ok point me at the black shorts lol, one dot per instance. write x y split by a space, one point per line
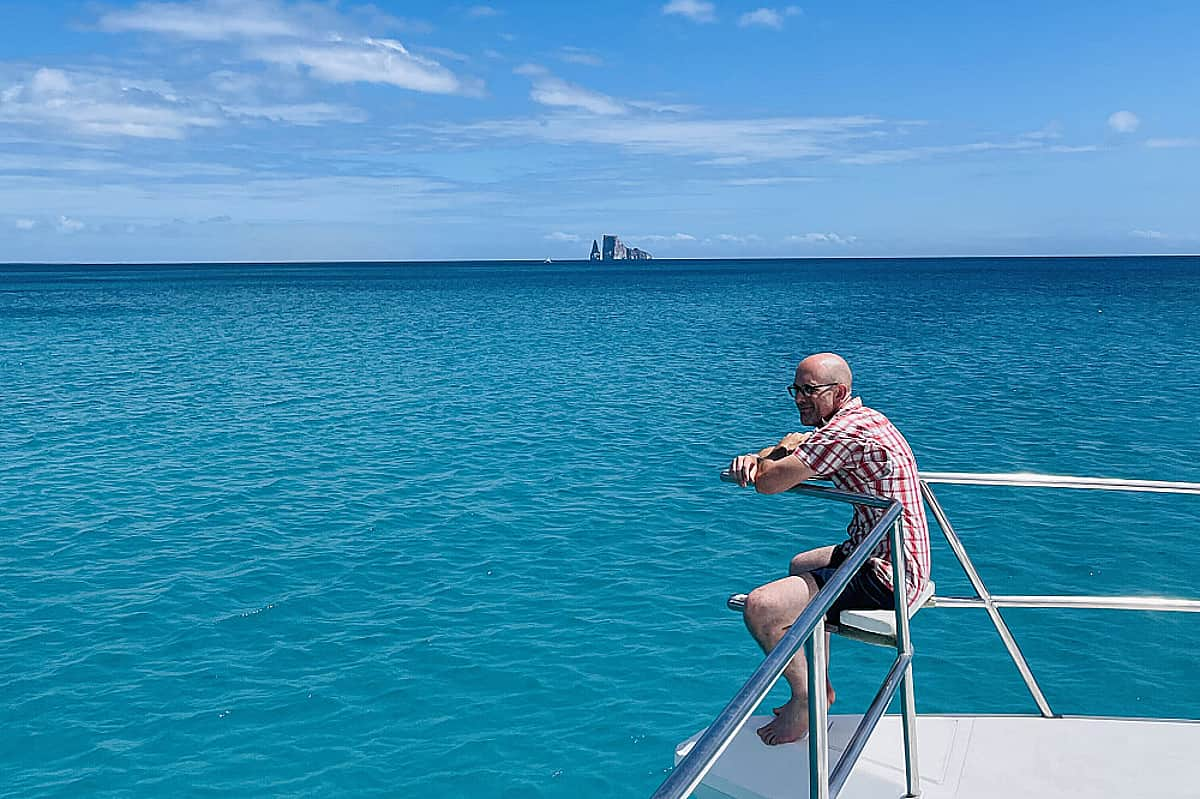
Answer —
865 591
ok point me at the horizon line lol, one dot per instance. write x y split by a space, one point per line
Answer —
588 260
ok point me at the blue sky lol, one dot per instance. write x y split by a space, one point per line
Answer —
273 130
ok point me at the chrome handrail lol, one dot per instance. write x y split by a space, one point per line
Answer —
804 632
1152 603
1034 480
809 631
992 603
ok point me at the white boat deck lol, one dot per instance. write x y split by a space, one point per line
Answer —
976 757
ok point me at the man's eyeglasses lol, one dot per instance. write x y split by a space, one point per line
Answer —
808 390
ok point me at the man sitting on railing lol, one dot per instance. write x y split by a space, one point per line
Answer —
860 451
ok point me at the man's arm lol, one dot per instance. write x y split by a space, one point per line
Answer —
768 476
786 446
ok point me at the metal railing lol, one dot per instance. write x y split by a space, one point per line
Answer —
992 603
809 631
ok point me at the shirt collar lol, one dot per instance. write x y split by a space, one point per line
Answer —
849 405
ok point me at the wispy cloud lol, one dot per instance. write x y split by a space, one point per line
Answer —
225 20
770 181
557 93
299 113
481 11
25 224
1124 122
662 108
695 10
349 199
103 105
735 140
215 20
68 225
315 37
767 17
821 238
366 61
1025 143
1148 234
660 237
576 55
1162 144
559 236
733 238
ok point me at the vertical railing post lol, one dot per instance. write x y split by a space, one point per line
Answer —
818 714
908 704
981 591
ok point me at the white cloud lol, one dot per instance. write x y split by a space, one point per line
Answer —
332 200
1024 143
104 105
730 238
775 181
226 20
215 20
29 165
557 93
575 55
482 11
1148 234
695 10
822 238
68 225
662 108
447 53
1051 131
298 114
671 237
1172 143
558 235
26 224
301 35
1124 122
767 17
735 140
366 61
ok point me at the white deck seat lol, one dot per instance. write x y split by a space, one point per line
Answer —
876 627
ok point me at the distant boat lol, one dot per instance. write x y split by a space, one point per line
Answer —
547 261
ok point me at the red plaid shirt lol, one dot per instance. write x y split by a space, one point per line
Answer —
861 451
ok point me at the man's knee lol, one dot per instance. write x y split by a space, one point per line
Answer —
769 602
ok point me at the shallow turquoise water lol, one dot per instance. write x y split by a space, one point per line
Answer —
449 530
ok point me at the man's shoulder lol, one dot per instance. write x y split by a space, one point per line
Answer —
856 416
864 423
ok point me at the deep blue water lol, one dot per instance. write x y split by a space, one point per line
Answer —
456 529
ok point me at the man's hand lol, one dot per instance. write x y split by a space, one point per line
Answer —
769 476
786 446
745 468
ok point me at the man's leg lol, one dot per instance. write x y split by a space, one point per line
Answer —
807 561
811 560
770 611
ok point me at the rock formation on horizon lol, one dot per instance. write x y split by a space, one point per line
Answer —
615 250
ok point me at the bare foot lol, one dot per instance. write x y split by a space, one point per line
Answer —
829 693
789 725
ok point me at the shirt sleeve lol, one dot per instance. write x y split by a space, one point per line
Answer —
828 452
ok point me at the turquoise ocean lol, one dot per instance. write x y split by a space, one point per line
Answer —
457 529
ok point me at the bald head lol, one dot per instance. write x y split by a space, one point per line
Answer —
826 367
822 386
